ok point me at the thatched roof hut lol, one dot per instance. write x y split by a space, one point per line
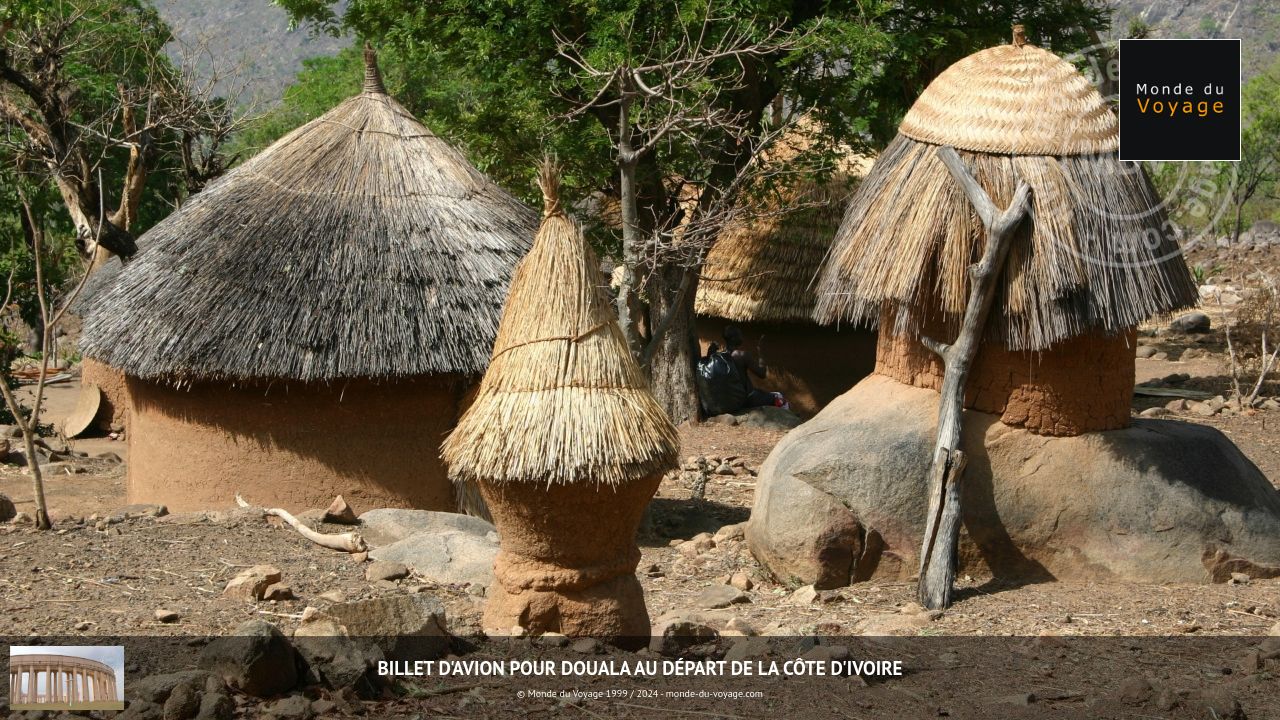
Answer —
1094 257
759 276
563 400
1093 260
351 272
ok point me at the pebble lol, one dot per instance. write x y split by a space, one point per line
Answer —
167 616
741 581
385 570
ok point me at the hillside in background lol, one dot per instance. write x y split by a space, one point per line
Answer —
250 36
1256 22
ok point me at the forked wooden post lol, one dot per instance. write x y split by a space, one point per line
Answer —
942 527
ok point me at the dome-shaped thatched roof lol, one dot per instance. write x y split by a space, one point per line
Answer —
1095 255
360 245
563 400
1014 100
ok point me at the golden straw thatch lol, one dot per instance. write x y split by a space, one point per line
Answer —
563 400
761 267
1095 254
360 245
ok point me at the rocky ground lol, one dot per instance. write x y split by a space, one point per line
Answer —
109 571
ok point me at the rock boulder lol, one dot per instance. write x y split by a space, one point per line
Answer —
842 498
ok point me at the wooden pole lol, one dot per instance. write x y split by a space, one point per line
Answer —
942 526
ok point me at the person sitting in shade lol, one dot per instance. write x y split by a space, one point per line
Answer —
725 377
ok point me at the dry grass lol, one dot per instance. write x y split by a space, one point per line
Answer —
563 400
360 245
1082 263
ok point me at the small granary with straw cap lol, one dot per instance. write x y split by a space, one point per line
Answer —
309 324
1092 260
758 276
566 444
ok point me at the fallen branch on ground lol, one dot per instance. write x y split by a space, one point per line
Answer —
350 542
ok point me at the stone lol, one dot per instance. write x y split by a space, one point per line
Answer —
1193 353
444 557
730 532
138 510
294 707
827 653
675 633
741 581
738 626
333 658
385 526
1204 409
323 706
332 596
183 702
723 419
1135 690
157 689
1177 405
587 646
842 498
278 592
167 616
21 518
1189 323
721 596
1216 703
340 513
1274 631
406 627
7 510
696 545
251 583
551 640
215 706
1270 404
806 595
1146 351
1155 412
385 570
255 659
725 469
748 648
769 418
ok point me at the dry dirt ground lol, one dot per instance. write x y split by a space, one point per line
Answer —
83 581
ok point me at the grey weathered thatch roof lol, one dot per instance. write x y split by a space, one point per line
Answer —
1095 254
359 245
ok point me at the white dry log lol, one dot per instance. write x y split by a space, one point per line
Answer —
350 542
942 525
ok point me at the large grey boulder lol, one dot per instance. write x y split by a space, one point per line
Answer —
842 498
448 557
405 627
385 526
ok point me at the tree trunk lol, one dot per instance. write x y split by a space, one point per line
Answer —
671 366
946 474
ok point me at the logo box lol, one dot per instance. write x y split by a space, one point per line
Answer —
1180 99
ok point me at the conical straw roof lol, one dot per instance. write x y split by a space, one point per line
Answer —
360 245
1014 100
563 400
1095 255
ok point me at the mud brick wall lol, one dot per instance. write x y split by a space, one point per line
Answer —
1081 385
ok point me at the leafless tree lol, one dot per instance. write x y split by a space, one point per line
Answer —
705 96
49 319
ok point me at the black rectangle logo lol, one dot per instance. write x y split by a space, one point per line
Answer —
1180 99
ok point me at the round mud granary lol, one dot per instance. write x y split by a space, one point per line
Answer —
309 324
1060 482
566 445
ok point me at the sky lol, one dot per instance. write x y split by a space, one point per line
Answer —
112 655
